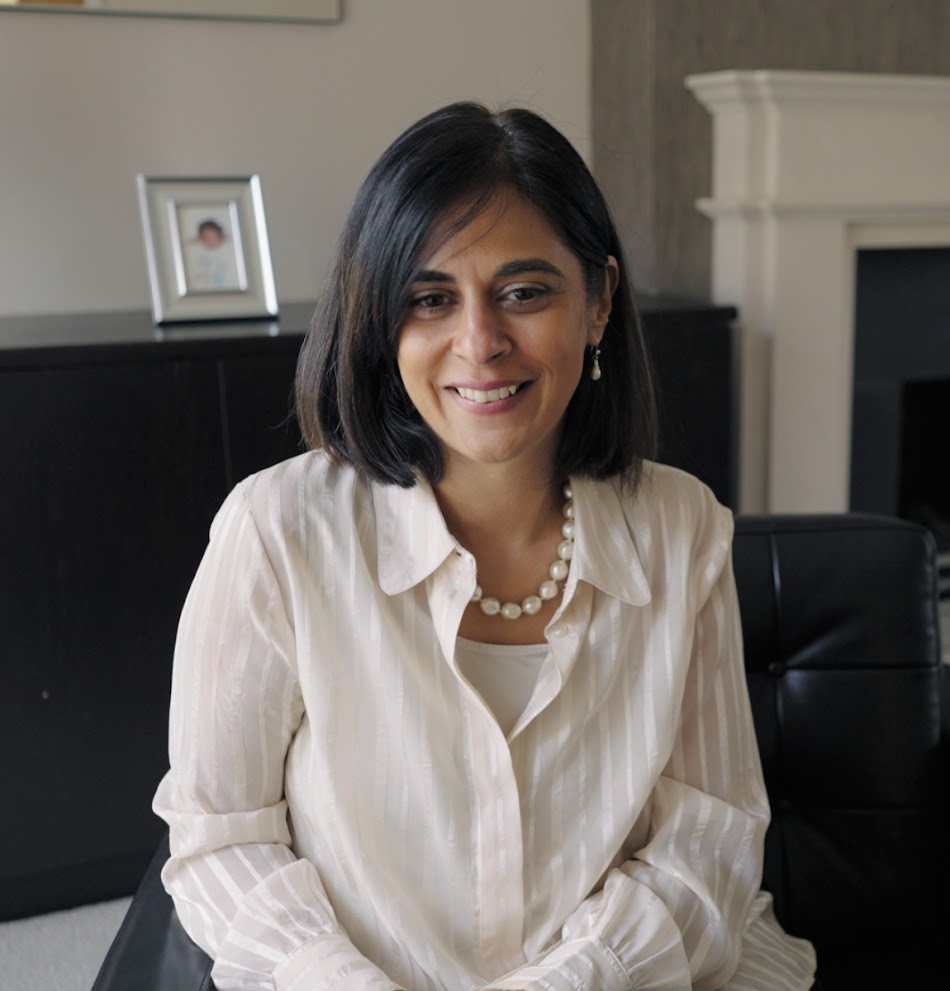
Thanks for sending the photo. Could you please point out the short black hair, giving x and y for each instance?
(349, 394)
(210, 225)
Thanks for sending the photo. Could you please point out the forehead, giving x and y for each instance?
(506, 228)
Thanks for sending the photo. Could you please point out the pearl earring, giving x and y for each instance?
(595, 366)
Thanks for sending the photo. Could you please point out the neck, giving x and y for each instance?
(501, 504)
(511, 521)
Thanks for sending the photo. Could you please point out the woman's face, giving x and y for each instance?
(492, 345)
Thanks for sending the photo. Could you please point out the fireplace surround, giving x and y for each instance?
(812, 171)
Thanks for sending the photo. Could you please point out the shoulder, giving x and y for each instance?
(688, 503)
(670, 494)
(305, 473)
(674, 515)
(298, 495)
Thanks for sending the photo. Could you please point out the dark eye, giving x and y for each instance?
(524, 294)
(429, 300)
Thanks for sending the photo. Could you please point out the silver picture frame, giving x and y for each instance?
(206, 248)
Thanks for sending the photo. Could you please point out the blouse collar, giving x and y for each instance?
(413, 540)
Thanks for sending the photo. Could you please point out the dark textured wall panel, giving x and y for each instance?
(652, 139)
(623, 126)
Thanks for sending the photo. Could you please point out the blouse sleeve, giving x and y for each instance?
(674, 917)
(241, 893)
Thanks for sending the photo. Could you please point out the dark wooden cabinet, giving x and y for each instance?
(695, 354)
(118, 443)
(114, 457)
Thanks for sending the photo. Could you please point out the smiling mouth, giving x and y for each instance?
(488, 396)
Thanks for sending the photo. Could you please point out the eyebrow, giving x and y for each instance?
(518, 267)
(521, 266)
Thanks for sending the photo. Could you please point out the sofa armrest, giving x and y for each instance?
(151, 951)
(839, 620)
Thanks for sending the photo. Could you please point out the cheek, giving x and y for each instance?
(414, 363)
(573, 358)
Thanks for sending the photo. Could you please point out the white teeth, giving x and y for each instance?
(478, 396)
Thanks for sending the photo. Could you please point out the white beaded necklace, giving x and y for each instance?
(549, 588)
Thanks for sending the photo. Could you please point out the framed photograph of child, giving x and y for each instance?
(206, 249)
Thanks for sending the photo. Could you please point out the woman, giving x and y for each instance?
(458, 698)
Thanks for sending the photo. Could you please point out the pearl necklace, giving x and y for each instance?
(549, 588)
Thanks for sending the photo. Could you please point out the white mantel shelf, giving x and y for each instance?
(808, 168)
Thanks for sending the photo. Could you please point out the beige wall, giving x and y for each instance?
(652, 138)
(88, 102)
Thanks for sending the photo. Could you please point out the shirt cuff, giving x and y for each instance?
(590, 965)
(330, 961)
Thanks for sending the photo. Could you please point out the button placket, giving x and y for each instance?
(497, 842)
(498, 851)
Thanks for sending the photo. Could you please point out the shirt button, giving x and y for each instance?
(560, 631)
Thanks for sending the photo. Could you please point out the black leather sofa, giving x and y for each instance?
(843, 658)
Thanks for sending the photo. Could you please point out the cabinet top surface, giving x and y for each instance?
(136, 327)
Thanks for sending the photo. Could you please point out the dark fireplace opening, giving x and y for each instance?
(900, 427)
(924, 493)
(900, 412)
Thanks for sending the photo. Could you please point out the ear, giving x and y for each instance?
(602, 306)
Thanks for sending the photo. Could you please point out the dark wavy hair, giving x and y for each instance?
(349, 394)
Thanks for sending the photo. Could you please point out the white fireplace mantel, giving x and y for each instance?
(807, 169)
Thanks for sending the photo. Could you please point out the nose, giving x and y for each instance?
(481, 336)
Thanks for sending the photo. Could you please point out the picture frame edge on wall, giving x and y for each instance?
(207, 251)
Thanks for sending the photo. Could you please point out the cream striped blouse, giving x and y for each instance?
(346, 813)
